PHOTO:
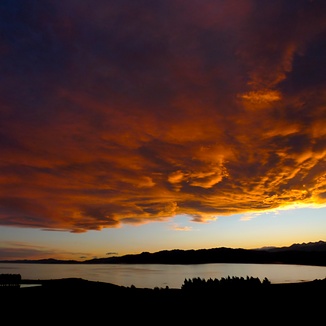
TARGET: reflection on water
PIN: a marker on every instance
(29, 285)
(159, 275)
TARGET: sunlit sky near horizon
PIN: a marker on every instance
(130, 126)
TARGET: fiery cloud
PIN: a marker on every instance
(131, 112)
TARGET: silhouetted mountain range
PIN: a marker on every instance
(312, 253)
(310, 246)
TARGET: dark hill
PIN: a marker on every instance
(312, 253)
(296, 254)
(76, 300)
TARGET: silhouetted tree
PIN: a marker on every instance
(230, 282)
(10, 280)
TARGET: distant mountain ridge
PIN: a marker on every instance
(311, 253)
(310, 246)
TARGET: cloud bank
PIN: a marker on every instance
(118, 112)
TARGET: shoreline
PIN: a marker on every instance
(79, 300)
(84, 284)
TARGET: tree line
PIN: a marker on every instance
(10, 280)
(198, 283)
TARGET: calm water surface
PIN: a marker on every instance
(157, 275)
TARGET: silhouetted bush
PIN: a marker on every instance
(198, 283)
(10, 280)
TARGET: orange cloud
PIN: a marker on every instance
(135, 114)
(262, 96)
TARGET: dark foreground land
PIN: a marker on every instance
(76, 300)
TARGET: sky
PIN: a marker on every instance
(130, 126)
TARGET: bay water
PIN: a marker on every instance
(163, 275)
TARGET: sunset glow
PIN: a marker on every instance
(121, 114)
